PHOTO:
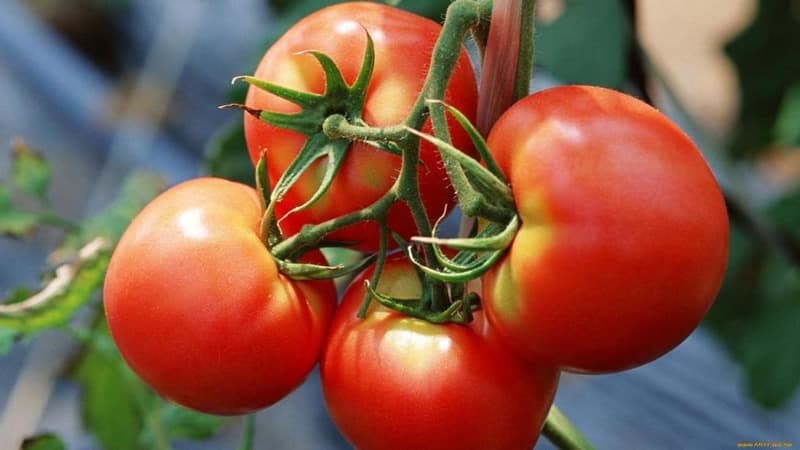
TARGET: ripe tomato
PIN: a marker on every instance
(198, 309)
(624, 234)
(403, 46)
(396, 382)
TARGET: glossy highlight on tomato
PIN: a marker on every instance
(624, 235)
(403, 46)
(198, 309)
(396, 382)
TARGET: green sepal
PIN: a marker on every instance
(479, 253)
(482, 265)
(299, 98)
(479, 191)
(316, 147)
(305, 271)
(338, 99)
(270, 232)
(416, 308)
(475, 136)
(482, 242)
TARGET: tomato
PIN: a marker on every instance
(198, 309)
(395, 382)
(624, 235)
(403, 46)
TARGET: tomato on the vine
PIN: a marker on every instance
(624, 235)
(403, 45)
(196, 305)
(396, 382)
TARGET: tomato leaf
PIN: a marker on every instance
(226, 154)
(13, 222)
(7, 338)
(110, 407)
(47, 441)
(771, 41)
(85, 255)
(432, 9)
(121, 411)
(769, 356)
(31, 172)
(182, 423)
(73, 285)
(787, 126)
(756, 313)
(587, 44)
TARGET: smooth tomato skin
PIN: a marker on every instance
(395, 382)
(198, 309)
(403, 46)
(624, 236)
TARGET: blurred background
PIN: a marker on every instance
(102, 89)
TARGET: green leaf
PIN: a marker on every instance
(769, 353)
(182, 423)
(76, 281)
(31, 173)
(758, 309)
(587, 44)
(226, 154)
(46, 441)
(110, 406)
(765, 57)
(72, 287)
(432, 9)
(14, 222)
(787, 125)
(785, 213)
(7, 338)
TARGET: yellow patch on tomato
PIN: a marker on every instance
(389, 102)
(529, 244)
(415, 345)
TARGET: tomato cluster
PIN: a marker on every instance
(620, 250)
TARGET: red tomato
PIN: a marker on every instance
(403, 47)
(624, 235)
(396, 382)
(198, 309)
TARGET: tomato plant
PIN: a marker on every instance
(403, 43)
(624, 235)
(198, 308)
(396, 382)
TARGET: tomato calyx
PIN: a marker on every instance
(339, 99)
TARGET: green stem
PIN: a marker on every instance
(249, 432)
(562, 433)
(336, 126)
(313, 234)
(376, 275)
(522, 80)
(462, 15)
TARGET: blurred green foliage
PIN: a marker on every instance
(587, 44)
(43, 442)
(767, 60)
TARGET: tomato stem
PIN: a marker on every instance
(562, 433)
(248, 433)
